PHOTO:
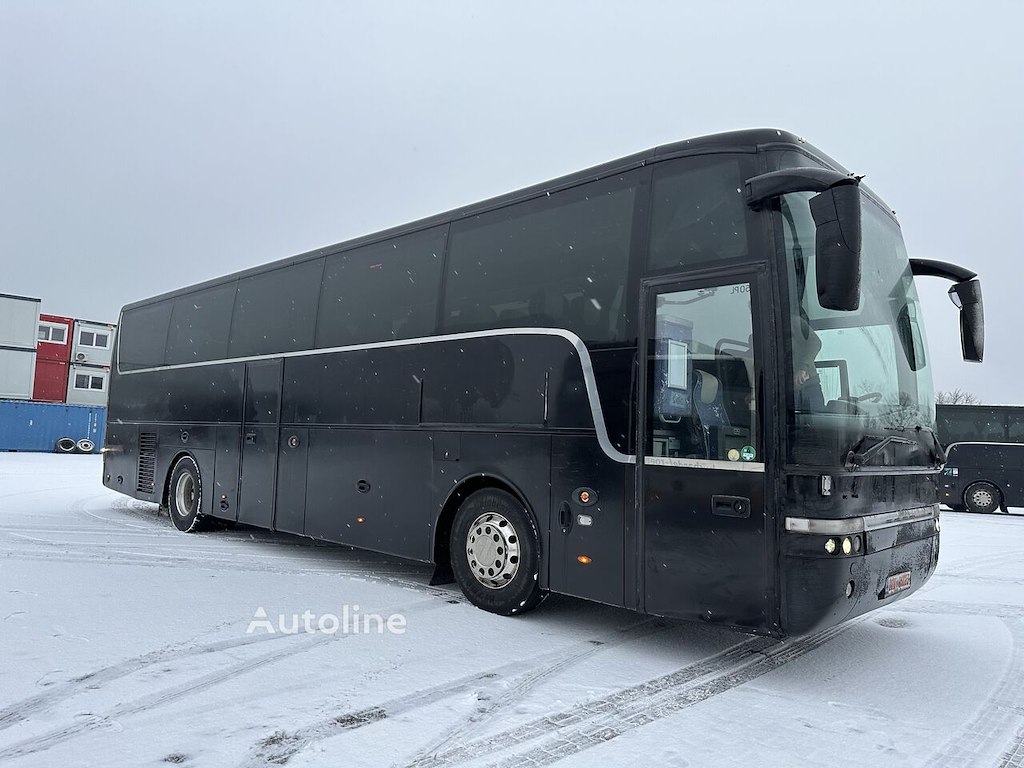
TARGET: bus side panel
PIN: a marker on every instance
(522, 461)
(120, 459)
(292, 463)
(594, 529)
(226, 471)
(196, 440)
(370, 489)
(209, 394)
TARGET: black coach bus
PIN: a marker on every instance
(692, 382)
(983, 477)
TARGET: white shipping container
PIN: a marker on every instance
(17, 373)
(93, 343)
(87, 384)
(19, 321)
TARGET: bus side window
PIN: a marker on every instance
(380, 292)
(698, 214)
(555, 261)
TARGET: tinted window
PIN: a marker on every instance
(697, 212)
(199, 325)
(142, 336)
(381, 292)
(559, 261)
(990, 457)
(275, 311)
(1015, 428)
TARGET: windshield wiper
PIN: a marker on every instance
(938, 453)
(857, 458)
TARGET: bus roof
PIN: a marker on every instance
(749, 140)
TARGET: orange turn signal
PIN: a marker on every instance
(584, 559)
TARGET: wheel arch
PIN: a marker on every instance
(440, 545)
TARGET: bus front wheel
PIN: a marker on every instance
(982, 497)
(496, 553)
(185, 496)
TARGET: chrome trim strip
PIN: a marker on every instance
(980, 442)
(581, 349)
(740, 466)
(825, 527)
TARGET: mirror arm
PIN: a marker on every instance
(757, 190)
(932, 268)
(966, 295)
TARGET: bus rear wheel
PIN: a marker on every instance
(982, 497)
(496, 553)
(185, 496)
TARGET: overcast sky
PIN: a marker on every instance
(149, 145)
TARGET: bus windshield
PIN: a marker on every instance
(860, 391)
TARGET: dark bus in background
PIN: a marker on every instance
(692, 382)
(980, 423)
(983, 477)
(985, 449)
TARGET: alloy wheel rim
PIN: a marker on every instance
(185, 495)
(492, 550)
(982, 497)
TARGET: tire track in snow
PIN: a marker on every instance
(91, 681)
(519, 686)
(999, 714)
(994, 610)
(196, 685)
(1014, 756)
(281, 746)
(969, 566)
(395, 577)
(144, 704)
(594, 722)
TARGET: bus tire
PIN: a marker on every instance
(496, 553)
(982, 497)
(185, 496)
(65, 445)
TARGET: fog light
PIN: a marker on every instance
(830, 546)
(847, 546)
(849, 589)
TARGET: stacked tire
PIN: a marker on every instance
(70, 445)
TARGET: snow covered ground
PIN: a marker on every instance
(124, 643)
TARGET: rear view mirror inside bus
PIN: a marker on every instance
(837, 241)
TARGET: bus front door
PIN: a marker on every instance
(704, 532)
(260, 429)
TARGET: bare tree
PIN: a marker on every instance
(957, 397)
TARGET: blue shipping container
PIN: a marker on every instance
(31, 426)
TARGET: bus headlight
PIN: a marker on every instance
(830, 546)
(847, 546)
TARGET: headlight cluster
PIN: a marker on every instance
(847, 545)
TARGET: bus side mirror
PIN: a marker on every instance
(967, 296)
(837, 244)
